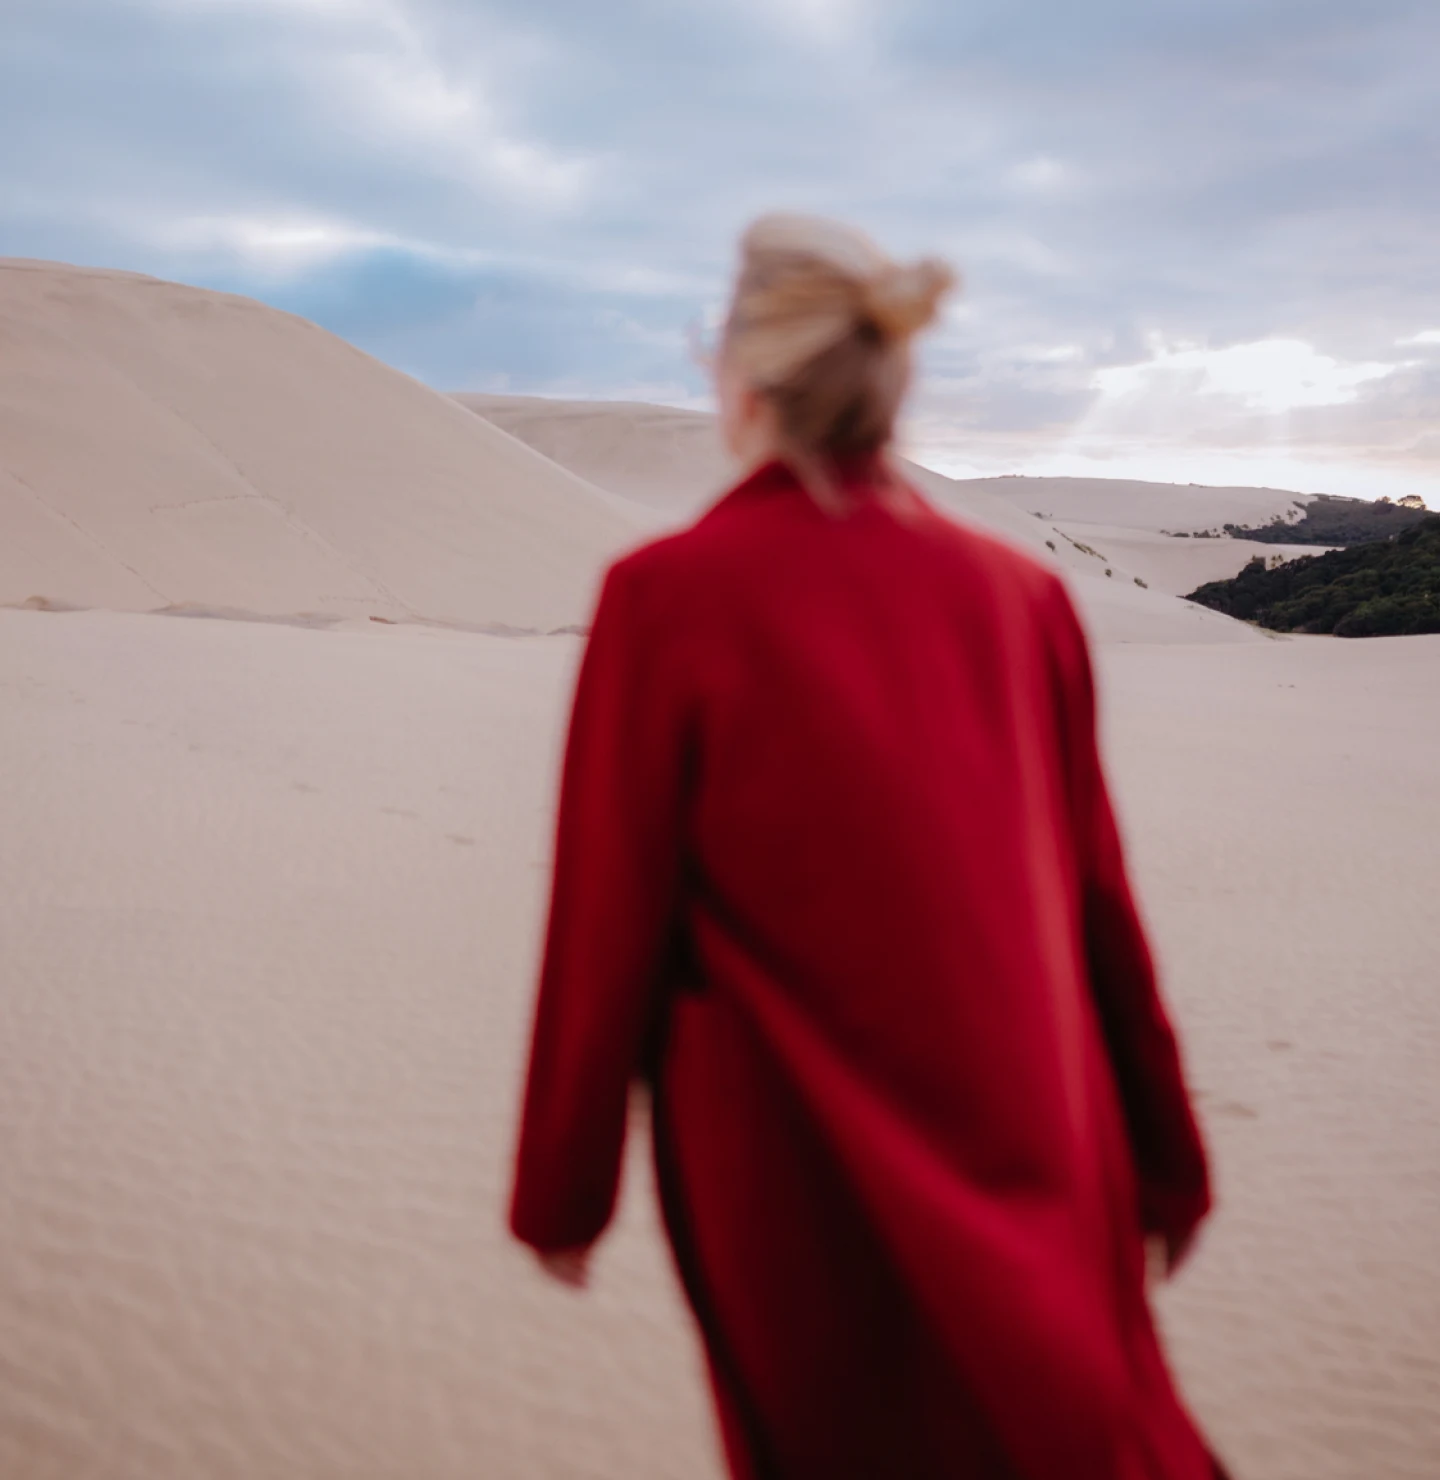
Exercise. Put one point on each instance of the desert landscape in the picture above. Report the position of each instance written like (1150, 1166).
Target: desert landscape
(286, 641)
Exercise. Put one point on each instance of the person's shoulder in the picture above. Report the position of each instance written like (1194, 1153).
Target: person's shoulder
(693, 552)
(656, 562)
(653, 582)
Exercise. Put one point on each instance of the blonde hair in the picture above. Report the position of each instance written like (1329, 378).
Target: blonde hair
(820, 325)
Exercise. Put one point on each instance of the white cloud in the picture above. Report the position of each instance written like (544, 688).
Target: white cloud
(318, 7)
(1426, 336)
(382, 76)
(282, 246)
(626, 328)
(829, 22)
(287, 243)
(1009, 249)
(365, 10)
(406, 93)
(1041, 175)
(1269, 375)
(1051, 354)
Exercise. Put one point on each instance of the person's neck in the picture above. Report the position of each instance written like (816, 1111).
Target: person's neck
(751, 464)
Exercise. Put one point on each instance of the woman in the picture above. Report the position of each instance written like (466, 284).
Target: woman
(837, 874)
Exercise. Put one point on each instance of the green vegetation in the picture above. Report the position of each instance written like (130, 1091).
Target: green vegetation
(1330, 520)
(1379, 589)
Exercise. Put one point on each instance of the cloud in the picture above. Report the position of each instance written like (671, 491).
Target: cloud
(1270, 375)
(1189, 231)
(1042, 174)
(281, 245)
(823, 22)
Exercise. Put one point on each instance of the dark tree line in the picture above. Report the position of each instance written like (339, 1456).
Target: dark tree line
(1380, 589)
(1331, 520)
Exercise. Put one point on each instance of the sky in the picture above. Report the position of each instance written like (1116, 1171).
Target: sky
(1198, 237)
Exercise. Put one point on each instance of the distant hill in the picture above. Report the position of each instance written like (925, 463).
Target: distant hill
(164, 446)
(1329, 520)
(1163, 508)
(1378, 589)
(670, 464)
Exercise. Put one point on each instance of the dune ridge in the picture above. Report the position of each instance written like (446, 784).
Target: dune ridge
(162, 445)
(1133, 504)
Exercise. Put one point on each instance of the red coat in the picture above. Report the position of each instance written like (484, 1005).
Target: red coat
(837, 873)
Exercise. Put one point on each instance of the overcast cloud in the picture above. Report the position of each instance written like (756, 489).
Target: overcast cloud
(1199, 236)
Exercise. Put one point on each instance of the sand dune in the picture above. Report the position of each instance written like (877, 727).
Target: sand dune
(162, 444)
(670, 461)
(1128, 504)
(1137, 526)
(269, 904)
(165, 446)
(663, 457)
(1178, 565)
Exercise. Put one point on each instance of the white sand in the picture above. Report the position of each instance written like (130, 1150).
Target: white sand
(1135, 505)
(661, 456)
(269, 900)
(1284, 816)
(670, 463)
(163, 445)
(1179, 565)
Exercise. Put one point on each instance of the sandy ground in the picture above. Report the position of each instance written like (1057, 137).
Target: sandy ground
(269, 900)
(1284, 813)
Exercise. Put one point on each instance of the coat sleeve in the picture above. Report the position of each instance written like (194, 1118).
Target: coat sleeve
(1165, 1139)
(612, 901)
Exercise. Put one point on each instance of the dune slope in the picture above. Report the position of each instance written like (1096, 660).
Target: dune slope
(663, 457)
(1176, 565)
(670, 461)
(165, 445)
(1130, 504)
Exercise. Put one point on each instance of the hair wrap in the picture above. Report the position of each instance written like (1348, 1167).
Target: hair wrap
(901, 299)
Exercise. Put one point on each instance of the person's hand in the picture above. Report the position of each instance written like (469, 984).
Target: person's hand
(1178, 1249)
(1164, 1254)
(568, 1266)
